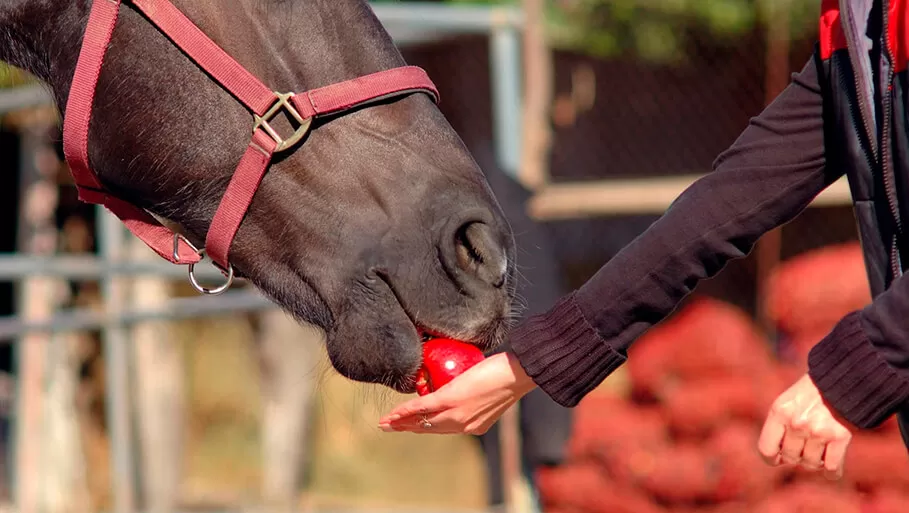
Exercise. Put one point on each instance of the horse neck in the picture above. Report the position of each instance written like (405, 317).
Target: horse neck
(36, 33)
(298, 44)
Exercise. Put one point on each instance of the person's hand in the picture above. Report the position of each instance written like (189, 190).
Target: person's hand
(801, 430)
(469, 404)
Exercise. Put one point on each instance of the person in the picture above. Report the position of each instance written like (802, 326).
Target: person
(844, 112)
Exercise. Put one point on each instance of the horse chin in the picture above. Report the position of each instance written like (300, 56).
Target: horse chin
(372, 339)
(376, 339)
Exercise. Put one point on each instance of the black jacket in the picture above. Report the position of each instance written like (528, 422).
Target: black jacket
(839, 116)
(861, 56)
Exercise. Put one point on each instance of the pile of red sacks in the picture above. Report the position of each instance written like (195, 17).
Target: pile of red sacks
(702, 384)
(810, 293)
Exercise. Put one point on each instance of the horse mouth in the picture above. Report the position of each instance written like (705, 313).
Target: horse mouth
(406, 384)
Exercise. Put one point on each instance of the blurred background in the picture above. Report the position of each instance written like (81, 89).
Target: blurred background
(122, 390)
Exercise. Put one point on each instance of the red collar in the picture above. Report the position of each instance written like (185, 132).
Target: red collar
(262, 101)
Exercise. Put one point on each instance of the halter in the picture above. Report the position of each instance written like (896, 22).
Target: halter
(264, 103)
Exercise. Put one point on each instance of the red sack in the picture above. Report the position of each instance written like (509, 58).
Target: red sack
(622, 500)
(697, 407)
(726, 507)
(810, 498)
(706, 337)
(682, 473)
(584, 488)
(560, 486)
(813, 291)
(874, 460)
(628, 465)
(604, 424)
(744, 474)
(886, 500)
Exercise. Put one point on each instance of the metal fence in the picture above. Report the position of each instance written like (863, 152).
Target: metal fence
(408, 24)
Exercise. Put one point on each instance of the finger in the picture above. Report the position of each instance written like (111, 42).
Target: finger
(813, 453)
(793, 445)
(835, 457)
(771, 440)
(437, 424)
(399, 424)
(422, 405)
(408, 423)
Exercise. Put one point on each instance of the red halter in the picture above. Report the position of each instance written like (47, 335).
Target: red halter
(262, 101)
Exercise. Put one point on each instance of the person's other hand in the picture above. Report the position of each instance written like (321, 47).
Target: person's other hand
(801, 430)
(469, 404)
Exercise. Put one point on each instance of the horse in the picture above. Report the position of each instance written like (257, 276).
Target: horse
(372, 222)
(379, 228)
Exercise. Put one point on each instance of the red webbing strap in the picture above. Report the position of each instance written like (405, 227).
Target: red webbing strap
(365, 89)
(98, 33)
(325, 100)
(144, 226)
(231, 75)
(239, 195)
(208, 55)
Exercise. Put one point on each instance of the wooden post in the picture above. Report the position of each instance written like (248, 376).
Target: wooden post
(539, 84)
(160, 391)
(36, 236)
(290, 354)
(64, 475)
(513, 483)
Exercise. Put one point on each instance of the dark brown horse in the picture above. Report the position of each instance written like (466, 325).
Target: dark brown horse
(379, 228)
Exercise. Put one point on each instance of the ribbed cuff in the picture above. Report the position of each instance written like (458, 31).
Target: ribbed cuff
(853, 378)
(563, 353)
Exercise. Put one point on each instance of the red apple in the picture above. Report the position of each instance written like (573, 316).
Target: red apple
(443, 360)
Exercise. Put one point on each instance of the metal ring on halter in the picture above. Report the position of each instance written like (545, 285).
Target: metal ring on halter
(425, 423)
(192, 267)
(215, 291)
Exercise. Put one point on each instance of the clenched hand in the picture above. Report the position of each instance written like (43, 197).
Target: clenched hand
(801, 430)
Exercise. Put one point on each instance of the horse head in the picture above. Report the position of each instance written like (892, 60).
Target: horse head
(378, 227)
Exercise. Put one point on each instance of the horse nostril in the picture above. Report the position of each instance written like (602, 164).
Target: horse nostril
(479, 253)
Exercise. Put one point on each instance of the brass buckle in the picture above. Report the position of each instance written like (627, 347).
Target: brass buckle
(283, 103)
(192, 269)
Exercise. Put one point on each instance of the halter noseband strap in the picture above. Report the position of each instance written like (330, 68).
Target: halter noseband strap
(262, 101)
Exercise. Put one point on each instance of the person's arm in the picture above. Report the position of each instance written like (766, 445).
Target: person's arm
(765, 179)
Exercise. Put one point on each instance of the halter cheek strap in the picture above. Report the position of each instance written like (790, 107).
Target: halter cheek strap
(264, 103)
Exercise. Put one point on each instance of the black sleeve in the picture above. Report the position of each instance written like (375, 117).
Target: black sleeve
(765, 179)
